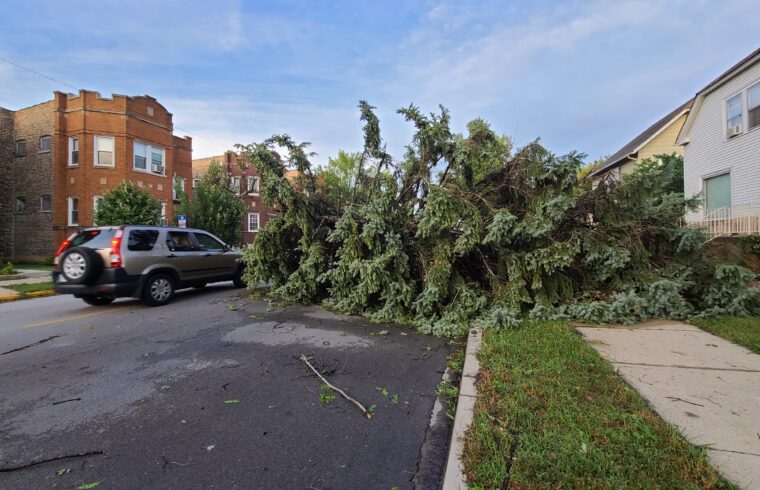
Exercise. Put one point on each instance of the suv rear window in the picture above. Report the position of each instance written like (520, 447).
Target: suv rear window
(93, 238)
(142, 240)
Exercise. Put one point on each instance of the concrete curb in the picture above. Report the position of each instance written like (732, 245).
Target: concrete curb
(5, 298)
(454, 478)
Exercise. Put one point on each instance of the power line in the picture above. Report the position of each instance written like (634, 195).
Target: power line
(77, 88)
(38, 73)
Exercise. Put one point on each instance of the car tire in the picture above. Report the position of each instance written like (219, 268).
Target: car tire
(98, 300)
(158, 290)
(238, 279)
(81, 265)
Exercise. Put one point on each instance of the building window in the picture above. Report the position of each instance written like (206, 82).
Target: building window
(46, 143)
(753, 106)
(20, 148)
(104, 151)
(717, 191)
(20, 207)
(195, 182)
(734, 115)
(150, 110)
(141, 150)
(235, 184)
(145, 153)
(46, 204)
(253, 222)
(73, 211)
(156, 160)
(73, 151)
(163, 214)
(252, 184)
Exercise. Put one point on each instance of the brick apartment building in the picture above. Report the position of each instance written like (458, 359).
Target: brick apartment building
(57, 158)
(244, 183)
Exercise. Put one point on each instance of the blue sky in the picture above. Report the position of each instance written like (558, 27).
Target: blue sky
(582, 75)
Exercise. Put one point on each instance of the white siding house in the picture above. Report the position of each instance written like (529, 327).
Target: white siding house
(721, 140)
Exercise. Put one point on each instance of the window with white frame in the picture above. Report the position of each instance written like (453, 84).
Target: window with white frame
(73, 211)
(195, 182)
(157, 160)
(95, 202)
(140, 156)
(252, 184)
(753, 106)
(179, 183)
(46, 144)
(73, 151)
(734, 115)
(46, 203)
(163, 214)
(104, 151)
(235, 184)
(253, 222)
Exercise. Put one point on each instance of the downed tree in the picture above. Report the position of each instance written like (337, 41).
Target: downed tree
(465, 229)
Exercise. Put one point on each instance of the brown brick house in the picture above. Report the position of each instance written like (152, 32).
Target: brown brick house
(244, 182)
(66, 152)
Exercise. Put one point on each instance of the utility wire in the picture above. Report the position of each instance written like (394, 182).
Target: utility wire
(77, 88)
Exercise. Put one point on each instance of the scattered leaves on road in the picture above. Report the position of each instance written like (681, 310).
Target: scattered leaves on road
(230, 402)
(211, 447)
(382, 390)
(381, 332)
(88, 486)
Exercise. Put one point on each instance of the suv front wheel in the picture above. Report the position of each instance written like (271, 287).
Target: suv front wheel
(159, 290)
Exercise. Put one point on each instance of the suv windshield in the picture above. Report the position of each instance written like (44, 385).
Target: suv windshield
(93, 238)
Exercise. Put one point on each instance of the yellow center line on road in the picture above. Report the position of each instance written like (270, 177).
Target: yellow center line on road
(77, 317)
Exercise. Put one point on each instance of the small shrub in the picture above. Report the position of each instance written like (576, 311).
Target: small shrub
(751, 245)
(7, 269)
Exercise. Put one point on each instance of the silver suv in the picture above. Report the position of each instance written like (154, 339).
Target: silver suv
(102, 263)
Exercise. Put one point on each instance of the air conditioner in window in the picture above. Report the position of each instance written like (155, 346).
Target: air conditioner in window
(734, 130)
(159, 169)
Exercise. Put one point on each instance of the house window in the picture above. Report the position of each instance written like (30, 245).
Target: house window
(20, 148)
(252, 184)
(718, 196)
(195, 182)
(20, 207)
(73, 151)
(150, 110)
(73, 211)
(145, 152)
(163, 214)
(46, 143)
(104, 151)
(235, 184)
(179, 183)
(734, 115)
(141, 150)
(753, 106)
(46, 204)
(156, 160)
(253, 222)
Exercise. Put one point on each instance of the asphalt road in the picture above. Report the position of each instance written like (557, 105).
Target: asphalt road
(208, 392)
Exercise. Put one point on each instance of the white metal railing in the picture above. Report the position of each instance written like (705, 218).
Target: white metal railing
(742, 219)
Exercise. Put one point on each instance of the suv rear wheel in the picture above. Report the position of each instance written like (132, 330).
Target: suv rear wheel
(97, 300)
(238, 279)
(158, 290)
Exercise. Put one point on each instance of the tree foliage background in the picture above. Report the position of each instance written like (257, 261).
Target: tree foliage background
(466, 228)
(214, 206)
(127, 204)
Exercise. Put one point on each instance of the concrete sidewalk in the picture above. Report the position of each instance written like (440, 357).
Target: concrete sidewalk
(706, 386)
(32, 276)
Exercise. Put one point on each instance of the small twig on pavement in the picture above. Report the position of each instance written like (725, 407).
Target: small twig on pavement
(676, 399)
(167, 462)
(57, 458)
(31, 345)
(65, 401)
(366, 412)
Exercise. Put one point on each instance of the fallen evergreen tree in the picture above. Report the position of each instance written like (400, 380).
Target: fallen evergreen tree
(465, 230)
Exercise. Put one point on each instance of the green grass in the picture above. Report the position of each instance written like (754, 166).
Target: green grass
(744, 331)
(570, 420)
(25, 289)
(37, 267)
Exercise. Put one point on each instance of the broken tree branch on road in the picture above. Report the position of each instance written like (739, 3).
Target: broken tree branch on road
(366, 412)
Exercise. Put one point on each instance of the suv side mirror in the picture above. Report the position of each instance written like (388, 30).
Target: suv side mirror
(226, 248)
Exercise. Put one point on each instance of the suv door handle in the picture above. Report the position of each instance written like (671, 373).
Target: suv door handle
(171, 256)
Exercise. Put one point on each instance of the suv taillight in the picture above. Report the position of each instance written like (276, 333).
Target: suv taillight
(116, 248)
(64, 245)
